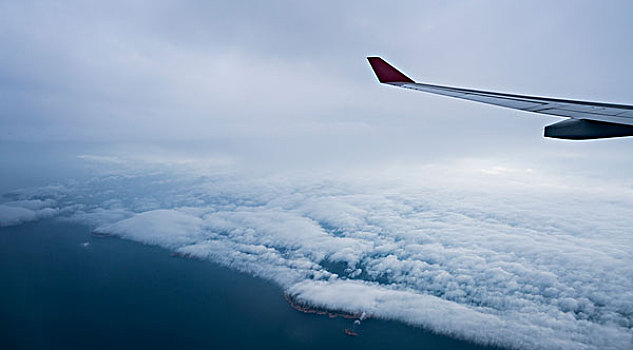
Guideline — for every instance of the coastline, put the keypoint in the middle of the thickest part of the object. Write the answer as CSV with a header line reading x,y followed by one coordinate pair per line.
x,y
115,292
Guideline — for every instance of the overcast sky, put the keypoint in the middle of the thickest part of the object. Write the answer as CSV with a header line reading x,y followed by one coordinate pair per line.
x,y
290,79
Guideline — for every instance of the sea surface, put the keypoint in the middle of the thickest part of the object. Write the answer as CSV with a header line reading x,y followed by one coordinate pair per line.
x,y
62,288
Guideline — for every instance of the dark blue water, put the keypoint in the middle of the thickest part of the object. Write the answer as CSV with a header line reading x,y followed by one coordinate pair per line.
x,y
117,294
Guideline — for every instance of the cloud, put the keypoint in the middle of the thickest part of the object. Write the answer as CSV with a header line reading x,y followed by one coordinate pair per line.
x,y
513,257
442,316
21,211
167,228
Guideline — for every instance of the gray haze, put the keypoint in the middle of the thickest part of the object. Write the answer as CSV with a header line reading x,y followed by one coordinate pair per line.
x,y
287,82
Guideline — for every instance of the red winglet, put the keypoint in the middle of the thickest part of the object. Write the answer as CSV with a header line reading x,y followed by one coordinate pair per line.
x,y
386,73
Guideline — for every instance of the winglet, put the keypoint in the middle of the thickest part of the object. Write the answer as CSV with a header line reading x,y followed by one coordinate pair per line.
x,y
386,73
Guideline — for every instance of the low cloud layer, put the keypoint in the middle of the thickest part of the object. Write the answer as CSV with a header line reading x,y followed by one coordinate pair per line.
x,y
21,211
490,253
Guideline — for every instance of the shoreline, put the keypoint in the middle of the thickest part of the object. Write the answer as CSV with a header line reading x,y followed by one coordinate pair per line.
x,y
122,294
322,312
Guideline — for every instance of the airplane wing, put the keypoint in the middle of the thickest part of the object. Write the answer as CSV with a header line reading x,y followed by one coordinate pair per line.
x,y
588,120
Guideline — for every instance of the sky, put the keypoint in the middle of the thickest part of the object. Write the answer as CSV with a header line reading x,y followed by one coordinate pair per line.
x,y
255,135
286,81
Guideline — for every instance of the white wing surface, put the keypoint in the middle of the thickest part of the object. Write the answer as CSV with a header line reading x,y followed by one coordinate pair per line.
x,y
589,119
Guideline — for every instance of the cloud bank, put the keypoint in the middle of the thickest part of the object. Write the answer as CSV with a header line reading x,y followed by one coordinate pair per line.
x,y
21,211
493,254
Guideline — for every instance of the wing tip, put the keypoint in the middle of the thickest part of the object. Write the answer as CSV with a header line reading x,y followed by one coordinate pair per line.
x,y
385,72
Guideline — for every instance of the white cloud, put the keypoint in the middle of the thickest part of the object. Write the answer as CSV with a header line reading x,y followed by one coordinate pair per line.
x,y
167,228
21,211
